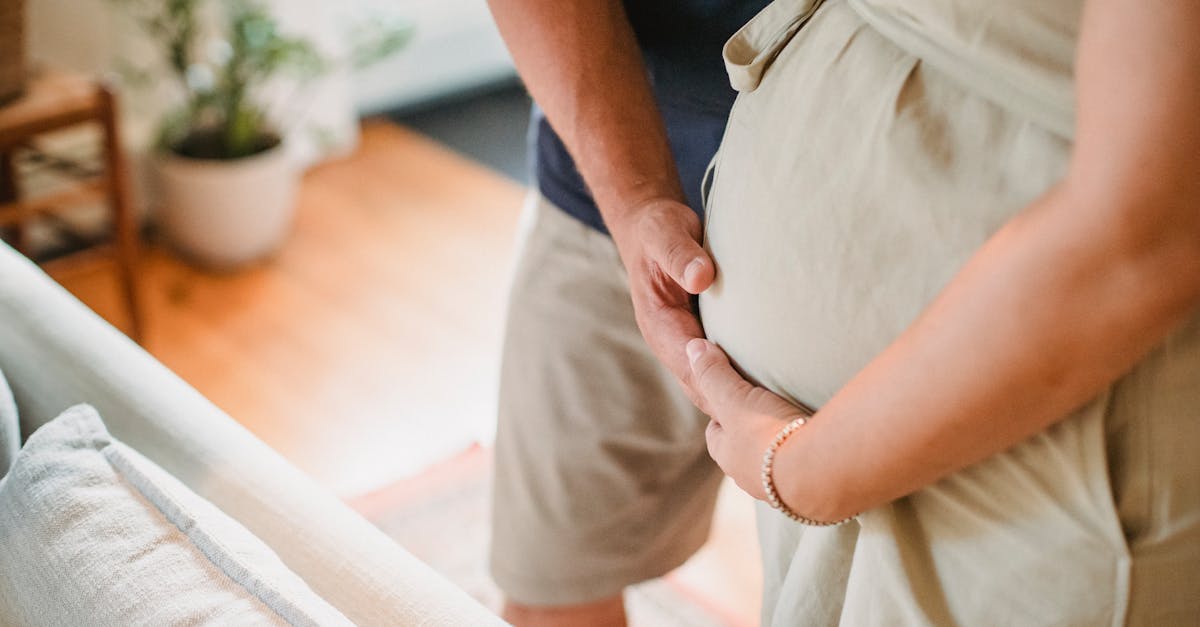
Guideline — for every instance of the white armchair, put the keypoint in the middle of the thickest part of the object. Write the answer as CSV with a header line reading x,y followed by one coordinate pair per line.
x,y
55,353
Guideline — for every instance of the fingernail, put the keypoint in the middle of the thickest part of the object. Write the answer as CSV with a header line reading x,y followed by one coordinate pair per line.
x,y
696,348
693,270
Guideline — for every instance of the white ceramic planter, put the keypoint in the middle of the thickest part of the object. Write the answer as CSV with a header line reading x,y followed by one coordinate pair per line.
x,y
224,214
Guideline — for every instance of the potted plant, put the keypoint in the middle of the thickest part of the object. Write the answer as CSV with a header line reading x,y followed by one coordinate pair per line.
x,y
227,186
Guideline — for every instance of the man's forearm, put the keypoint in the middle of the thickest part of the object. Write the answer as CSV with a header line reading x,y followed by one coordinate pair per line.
x,y
581,62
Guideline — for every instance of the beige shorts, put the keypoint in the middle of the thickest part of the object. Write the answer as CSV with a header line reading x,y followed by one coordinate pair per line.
x,y
602,477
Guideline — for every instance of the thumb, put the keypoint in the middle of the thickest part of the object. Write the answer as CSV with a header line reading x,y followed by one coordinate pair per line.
x,y
714,377
671,244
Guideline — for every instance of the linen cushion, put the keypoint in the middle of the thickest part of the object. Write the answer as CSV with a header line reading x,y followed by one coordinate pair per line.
x,y
10,435
95,533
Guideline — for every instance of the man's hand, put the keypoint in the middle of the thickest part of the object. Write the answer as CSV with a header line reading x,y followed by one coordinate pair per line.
x,y
659,242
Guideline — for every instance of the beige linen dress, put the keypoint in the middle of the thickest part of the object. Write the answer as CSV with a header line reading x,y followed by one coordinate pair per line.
x,y
875,146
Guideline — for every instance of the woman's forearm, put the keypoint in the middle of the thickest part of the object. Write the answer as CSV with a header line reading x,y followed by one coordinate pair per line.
x,y
1056,306
1041,320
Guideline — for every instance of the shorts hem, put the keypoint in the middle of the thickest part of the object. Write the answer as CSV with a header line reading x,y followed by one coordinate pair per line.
x,y
557,591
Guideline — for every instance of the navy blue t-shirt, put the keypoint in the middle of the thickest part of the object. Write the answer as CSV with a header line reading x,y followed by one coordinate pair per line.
x,y
681,43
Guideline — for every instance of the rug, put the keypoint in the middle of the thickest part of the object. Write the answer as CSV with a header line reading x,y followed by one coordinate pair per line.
x,y
442,517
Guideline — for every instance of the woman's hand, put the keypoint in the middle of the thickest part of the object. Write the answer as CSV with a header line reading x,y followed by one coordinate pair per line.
x,y
745,417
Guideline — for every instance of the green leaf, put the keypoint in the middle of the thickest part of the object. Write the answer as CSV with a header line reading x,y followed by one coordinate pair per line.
x,y
377,39
220,117
244,132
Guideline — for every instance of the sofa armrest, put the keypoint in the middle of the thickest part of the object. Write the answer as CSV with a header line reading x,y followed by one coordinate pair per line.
x,y
56,353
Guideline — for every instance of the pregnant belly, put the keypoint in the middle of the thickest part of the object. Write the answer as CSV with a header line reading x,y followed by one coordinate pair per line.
x,y
851,186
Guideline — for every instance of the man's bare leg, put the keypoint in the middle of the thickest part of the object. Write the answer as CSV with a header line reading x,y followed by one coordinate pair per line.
x,y
608,612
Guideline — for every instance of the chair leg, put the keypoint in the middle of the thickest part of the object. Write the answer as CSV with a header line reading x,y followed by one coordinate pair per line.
x,y
10,190
124,222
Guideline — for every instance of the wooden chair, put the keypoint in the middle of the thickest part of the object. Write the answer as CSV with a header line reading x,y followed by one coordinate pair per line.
x,y
53,101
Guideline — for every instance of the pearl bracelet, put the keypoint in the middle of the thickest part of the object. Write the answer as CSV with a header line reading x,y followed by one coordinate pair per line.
x,y
768,477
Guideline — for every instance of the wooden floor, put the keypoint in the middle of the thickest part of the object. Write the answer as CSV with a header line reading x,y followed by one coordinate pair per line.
x,y
368,348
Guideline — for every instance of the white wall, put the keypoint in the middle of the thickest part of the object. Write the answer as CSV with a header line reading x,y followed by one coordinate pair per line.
x,y
77,34
455,46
